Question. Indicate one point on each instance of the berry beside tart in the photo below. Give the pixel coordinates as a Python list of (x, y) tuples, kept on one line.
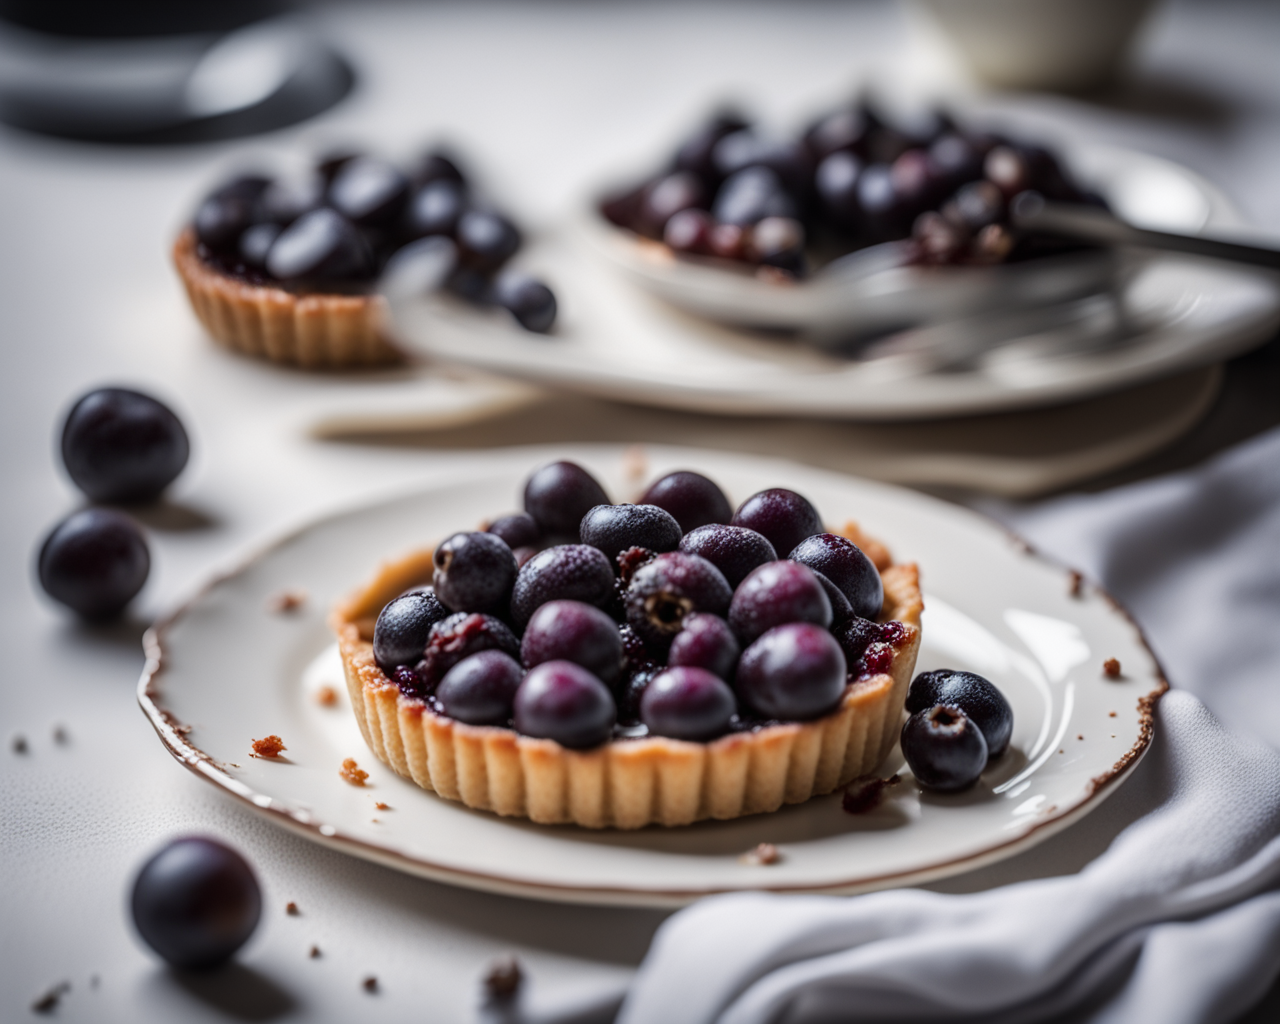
[(287, 269), (633, 664)]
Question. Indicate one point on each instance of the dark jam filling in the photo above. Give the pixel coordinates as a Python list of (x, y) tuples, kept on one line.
[(231, 267)]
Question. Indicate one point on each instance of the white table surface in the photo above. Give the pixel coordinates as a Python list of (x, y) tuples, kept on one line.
[(544, 99)]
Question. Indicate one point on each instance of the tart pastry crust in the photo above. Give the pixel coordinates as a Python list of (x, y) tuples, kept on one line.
[(312, 329), (626, 783)]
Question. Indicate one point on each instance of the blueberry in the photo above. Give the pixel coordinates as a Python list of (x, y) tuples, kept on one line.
[(977, 697), (841, 609), (332, 161), (486, 240), (480, 689), (564, 702), (459, 636), (681, 190), (369, 191), (695, 153), (287, 199), (689, 231), (744, 149), (435, 209), (519, 530), (404, 625), (691, 498), (836, 181), (955, 159), (777, 593), (244, 186), (976, 205), (880, 209), (615, 528), (572, 572), (559, 495), (438, 166), (220, 220), (474, 572), (841, 131), (94, 562), (778, 242), (122, 445), (576, 632), (914, 185), (945, 750), (750, 195), (527, 299), (734, 550), (664, 591), (196, 902), (854, 637), (256, 242), (783, 517), (793, 672), (706, 642), (843, 562), (939, 240), (322, 245), (687, 703)]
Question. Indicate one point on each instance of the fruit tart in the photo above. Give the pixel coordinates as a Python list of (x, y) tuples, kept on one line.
[(287, 269), (623, 665)]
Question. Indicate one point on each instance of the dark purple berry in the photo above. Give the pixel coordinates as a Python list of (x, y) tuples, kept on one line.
[(793, 672), (687, 703), (569, 572), (576, 632), (435, 209), (777, 593), (564, 702), (559, 495), (615, 528), (778, 242), (123, 446), (527, 299), (474, 572), (669, 588), (939, 240), (459, 636), (783, 517), (843, 130), (480, 689), (945, 750), (841, 609), (220, 220), (519, 530), (734, 550), (404, 625), (369, 191), (486, 240), (438, 166), (976, 696), (196, 902), (751, 195), (287, 199), (745, 149), (689, 231), (844, 564), (706, 641), (695, 153), (837, 183), (333, 160), (666, 197), (256, 242), (976, 205), (854, 637), (320, 245), (691, 498), (878, 203), (94, 562), (955, 160)]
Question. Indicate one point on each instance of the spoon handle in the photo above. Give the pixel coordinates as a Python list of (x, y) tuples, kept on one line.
[(1034, 214)]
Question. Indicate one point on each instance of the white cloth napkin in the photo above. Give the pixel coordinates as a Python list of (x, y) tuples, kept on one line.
[(1177, 921)]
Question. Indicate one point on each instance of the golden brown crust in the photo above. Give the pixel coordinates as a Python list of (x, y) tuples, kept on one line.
[(625, 783), (313, 330)]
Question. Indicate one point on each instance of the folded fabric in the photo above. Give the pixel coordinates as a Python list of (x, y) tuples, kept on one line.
[(1154, 929)]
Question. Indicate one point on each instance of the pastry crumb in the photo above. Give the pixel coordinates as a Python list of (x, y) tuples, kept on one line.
[(865, 794), (60, 735), (764, 854), (1111, 668), (315, 953), (326, 696), (352, 772), (370, 983), (504, 978), (48, 1002), (1111, 714), (19, 744), (1076, 589), (1079, 737), (287, 601), (380, 806), (291, 909), (269, 746)]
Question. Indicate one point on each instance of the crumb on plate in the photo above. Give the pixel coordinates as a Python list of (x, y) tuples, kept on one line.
[(48, 1002), (370, 983), (269, 746), (315, 953), (287, 601), (19, 744), (504, 978), (381, 806), (352, 772), (326, 696), (762, 854), (1111, 668), (866, 793), (291, 909)]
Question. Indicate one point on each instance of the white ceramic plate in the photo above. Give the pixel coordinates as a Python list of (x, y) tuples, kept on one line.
[(617, 339), (224, 670)]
